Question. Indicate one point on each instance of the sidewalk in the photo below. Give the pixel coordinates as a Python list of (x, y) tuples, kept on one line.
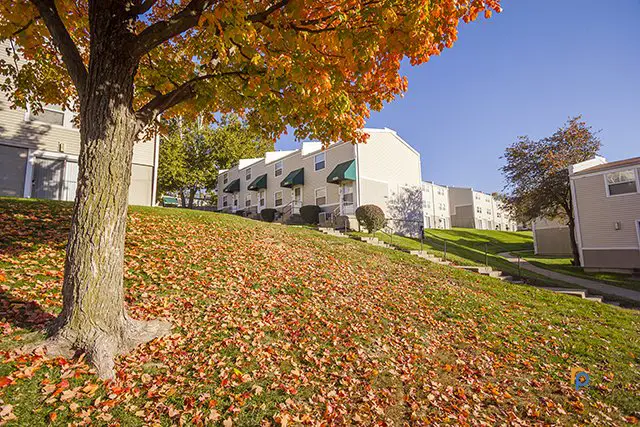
[(591, 285)]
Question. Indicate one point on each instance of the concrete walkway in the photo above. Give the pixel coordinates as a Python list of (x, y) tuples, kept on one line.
[(591, 285)]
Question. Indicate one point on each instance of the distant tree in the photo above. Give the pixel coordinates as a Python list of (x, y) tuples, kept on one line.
[(538, 177), (192, 154)]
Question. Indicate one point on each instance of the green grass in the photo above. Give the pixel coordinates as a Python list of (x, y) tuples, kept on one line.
[(276, 323), (564, 265), (467, 247)]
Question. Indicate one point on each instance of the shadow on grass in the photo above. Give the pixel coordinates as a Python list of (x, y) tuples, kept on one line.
[(23, 314), (26, 224)]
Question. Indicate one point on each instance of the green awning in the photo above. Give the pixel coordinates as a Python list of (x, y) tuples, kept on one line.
[(233, 187), (343, 172), (294, 178), (259, 183)]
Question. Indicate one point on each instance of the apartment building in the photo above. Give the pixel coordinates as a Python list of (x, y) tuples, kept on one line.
[(39, 154), (551, 237), (606, 200), (474, 209), (435, 204), (338, 178)]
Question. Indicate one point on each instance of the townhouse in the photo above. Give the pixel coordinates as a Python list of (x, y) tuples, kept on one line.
[(39, 154), (474, 209), (338, 178), (436, 206), (606, 200)]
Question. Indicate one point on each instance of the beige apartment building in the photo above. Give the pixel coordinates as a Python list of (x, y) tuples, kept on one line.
[(39, 154), (551, 237), (606, 199), (436, 206), (474, 209), (338, 178)]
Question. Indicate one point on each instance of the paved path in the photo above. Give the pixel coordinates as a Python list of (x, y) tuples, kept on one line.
[(592, 285)]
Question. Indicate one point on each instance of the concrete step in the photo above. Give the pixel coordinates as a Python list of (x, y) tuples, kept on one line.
[(477, 269), (581, 293), (596, 298)]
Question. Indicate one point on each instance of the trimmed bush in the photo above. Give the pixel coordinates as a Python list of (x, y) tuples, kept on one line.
[(240, 212), (268, 215), (310, 214), (371, 217)]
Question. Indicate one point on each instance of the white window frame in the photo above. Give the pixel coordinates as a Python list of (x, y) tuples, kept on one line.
[(276, 168), (479, 209), (637, 181), (315, 196), (247, 174), (275, 198), (225, 179), (247, 198), (67, 118), (316, 162), (225, 202)]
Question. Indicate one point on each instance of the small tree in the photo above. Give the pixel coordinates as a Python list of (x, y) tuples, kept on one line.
[(537, 174), (372, 217), (192, 154)]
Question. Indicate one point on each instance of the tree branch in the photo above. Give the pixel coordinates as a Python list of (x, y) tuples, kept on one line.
[(143, 7), (184, 92), (63, 41), (161, 31)]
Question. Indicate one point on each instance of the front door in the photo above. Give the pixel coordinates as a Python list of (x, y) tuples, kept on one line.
[(262, 195), (346, 198), (48, 179), (296, 196)]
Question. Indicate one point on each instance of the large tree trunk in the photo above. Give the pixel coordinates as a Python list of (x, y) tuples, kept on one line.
[(94, 318)]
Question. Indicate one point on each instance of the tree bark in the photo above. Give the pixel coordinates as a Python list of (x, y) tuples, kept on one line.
[(192, 195), (574, 243), (94, 318), (183, 199)]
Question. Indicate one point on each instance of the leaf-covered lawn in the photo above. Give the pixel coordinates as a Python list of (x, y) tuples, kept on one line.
[(281, 325)]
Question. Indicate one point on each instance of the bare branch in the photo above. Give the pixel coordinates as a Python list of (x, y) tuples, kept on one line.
[(64, 43)]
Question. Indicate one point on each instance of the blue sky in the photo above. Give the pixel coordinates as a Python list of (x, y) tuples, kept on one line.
[(523, 72)]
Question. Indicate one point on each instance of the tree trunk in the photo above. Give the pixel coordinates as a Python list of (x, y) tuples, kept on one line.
[(183, 199), (574, 243), (192, 195), (94, 318)]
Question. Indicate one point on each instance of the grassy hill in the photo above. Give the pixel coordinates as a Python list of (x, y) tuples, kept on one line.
[(285, 325)]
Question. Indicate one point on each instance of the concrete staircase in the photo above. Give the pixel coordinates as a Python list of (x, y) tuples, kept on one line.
[(332, 232), (483, 270)]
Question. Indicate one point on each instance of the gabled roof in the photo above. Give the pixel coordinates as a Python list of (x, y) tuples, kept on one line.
[(634, 161)]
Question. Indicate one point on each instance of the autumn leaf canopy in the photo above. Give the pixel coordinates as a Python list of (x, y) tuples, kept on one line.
[(318, 66)]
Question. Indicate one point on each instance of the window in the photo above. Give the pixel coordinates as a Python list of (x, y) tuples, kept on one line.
[(488, 211), (478, 209), (321, 196), (623, 182), (427, 204), (442, 207), (225, 202), (278, 168), (52, 114), (498, 215), (319, 161), (235, 200), (225, 179), (477, 197), (427, 189), (278, 198), (441, 191), (262, 197), (247, 200), (248, 174)]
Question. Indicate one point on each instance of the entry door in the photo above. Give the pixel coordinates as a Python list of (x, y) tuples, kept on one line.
[(262, 195), (296, 196), (346, 198), (47, 179)]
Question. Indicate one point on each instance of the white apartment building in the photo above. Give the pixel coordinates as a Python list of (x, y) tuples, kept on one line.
[(338, 178), (39, 154), (474, 209), (435, 203)]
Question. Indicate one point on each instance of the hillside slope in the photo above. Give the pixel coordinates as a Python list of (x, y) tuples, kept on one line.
[(285, 325)]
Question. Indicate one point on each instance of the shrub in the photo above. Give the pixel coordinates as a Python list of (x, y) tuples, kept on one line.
[(371, 216), (268, 215), (240, 212), (310, 214)]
